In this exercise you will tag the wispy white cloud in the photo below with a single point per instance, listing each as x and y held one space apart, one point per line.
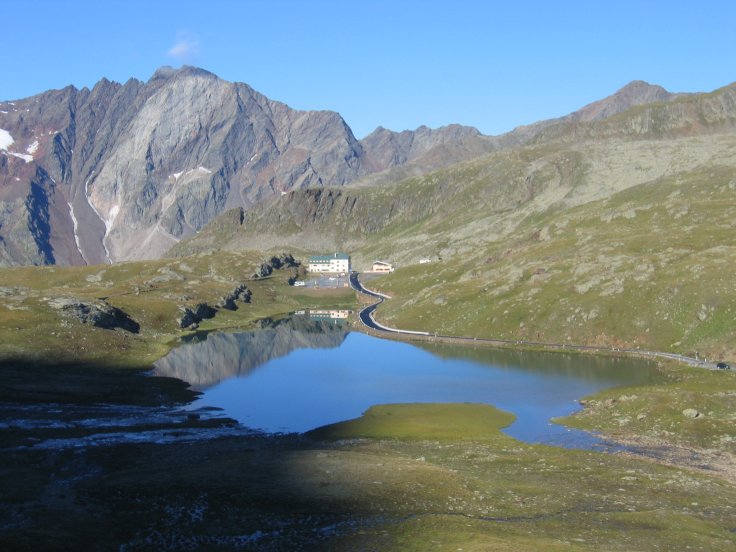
186 49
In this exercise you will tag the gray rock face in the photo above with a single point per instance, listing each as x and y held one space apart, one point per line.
385 149
125 171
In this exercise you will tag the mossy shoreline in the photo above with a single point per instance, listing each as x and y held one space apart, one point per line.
402 477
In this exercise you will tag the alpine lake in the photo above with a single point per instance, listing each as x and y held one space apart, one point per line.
309 370
344 442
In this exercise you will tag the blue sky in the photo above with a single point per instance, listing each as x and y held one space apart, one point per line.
490 64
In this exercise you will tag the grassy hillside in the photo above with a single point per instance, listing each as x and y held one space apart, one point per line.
608 242
150 293
651 266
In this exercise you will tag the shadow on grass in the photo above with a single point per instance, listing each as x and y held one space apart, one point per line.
35 381
235 490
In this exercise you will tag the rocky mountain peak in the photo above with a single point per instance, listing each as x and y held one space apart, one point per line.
635 93
640 87
386 149
166 72
163 72
125 171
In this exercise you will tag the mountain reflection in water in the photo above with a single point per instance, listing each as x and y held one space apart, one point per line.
220 356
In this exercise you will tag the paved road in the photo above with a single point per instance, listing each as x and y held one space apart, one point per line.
357 286
366 316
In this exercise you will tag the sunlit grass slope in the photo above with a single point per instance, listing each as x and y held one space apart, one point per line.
150 292
455 481
651 266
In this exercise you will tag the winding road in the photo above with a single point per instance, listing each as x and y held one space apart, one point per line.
366 316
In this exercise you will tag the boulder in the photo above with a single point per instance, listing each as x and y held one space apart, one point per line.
691 413
194 315
285 260
97 313
240 294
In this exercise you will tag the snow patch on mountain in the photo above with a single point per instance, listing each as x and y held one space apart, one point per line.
177 175
23 156
6 140
99 215
76 228
112 215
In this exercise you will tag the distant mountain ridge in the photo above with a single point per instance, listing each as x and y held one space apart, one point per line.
125 171
452 211
634 94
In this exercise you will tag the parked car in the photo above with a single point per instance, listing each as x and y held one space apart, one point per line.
723 366
300 284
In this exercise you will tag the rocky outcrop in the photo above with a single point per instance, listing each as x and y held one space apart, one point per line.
286 260
240 294
98 313
191 316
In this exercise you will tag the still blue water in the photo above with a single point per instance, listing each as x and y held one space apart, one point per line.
301 388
